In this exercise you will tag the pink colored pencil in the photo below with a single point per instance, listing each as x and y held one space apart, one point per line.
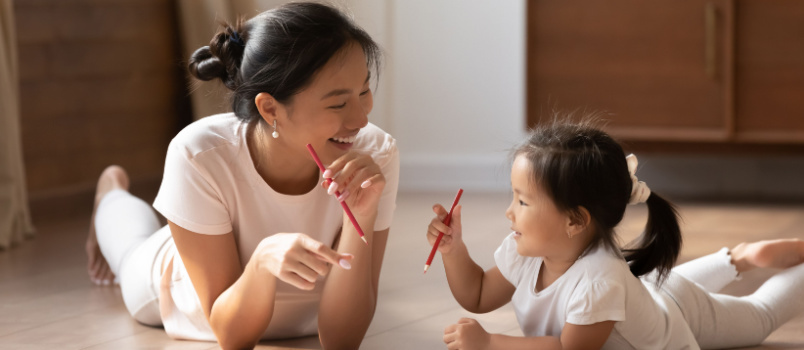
441 234
337 193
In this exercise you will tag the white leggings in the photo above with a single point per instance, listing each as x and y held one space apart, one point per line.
725 321
134 244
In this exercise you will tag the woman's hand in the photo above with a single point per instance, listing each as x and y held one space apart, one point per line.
358 179
297 259
467 334
452 233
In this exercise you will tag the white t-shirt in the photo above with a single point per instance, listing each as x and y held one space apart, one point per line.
598 287
210 186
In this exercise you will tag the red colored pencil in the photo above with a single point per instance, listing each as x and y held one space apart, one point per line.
441 234
337 193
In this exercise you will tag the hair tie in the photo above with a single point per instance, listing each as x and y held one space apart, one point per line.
235 38
639 189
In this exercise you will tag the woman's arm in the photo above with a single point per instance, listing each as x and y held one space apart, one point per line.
238 301
352 292
467 334
220 284
350 297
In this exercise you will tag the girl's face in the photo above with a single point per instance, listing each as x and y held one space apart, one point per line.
330 112
540 228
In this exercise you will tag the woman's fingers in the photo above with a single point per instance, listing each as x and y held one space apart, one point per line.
321 250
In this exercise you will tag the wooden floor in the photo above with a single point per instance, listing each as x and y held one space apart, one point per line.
47 302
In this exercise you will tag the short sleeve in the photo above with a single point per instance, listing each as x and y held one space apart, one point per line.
388 160
596 301
508 260
187 198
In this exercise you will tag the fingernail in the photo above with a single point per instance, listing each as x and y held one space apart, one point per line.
365 184
96 282
345 264
332 188
343 196
106 282
327 174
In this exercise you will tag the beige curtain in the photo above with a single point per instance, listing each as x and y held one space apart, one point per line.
15 218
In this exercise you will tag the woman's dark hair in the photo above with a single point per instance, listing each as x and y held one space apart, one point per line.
278 52
579 165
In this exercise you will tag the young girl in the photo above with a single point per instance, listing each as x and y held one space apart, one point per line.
572 287
254 248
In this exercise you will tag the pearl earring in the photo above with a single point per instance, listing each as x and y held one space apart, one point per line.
275 134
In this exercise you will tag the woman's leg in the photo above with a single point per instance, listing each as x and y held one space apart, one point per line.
124 228
113 177
719 320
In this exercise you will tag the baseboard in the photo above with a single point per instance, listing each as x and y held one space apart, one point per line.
777 178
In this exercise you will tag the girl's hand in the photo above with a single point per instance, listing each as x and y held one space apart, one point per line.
359 180
297 259
452 234
467 334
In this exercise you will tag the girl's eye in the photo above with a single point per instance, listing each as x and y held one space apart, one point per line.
365 92
338 106
522 203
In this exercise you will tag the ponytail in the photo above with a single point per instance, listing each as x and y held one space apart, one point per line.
659 245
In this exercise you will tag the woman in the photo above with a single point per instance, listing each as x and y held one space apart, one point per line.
254 248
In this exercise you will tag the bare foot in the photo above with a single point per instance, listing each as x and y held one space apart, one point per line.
779 253
113 177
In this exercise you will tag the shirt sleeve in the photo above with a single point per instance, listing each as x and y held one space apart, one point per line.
187 197
388 160
508 260
597 301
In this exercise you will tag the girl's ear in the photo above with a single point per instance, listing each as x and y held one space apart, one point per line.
578 220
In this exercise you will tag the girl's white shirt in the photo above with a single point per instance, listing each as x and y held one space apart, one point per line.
211 187
598 287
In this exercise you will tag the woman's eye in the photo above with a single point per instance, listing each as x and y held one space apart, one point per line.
522 203
338 106
365 92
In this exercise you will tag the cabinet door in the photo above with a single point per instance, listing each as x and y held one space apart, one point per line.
769 65
659 68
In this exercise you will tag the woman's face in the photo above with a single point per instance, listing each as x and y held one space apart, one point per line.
540 227
330 112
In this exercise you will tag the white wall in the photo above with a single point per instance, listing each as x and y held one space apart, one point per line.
457 77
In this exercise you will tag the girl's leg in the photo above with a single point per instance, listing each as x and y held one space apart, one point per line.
715 271
720 321
124 228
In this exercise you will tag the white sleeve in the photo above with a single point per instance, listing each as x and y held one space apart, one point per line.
388 161
596 301
188 199
509 262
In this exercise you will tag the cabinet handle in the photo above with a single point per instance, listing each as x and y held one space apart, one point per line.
710 49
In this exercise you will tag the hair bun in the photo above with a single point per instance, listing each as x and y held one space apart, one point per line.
205 66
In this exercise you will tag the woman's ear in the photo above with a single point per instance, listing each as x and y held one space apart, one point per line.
578 221
267 106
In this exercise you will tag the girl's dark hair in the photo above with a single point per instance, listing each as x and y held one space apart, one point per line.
278 52
578 165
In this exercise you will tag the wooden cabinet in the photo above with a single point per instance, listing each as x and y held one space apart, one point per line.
723 71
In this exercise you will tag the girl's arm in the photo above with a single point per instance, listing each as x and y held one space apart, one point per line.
467 334
475 290
238 301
